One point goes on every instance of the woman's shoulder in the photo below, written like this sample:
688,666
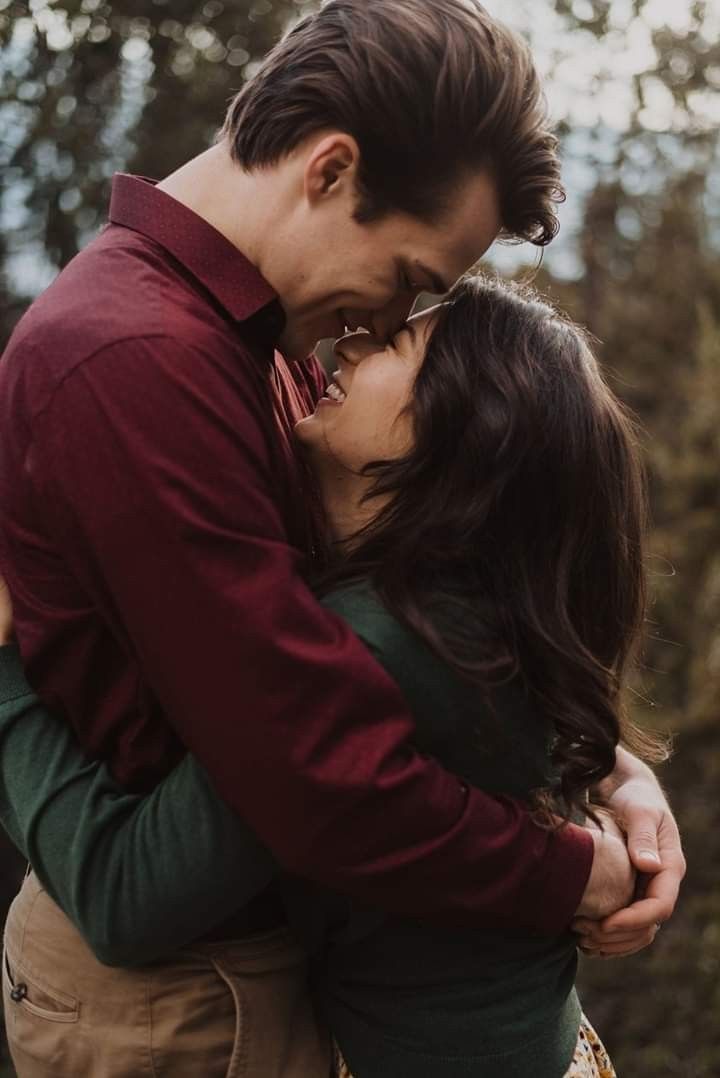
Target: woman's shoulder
495,738
359,604
428,683
357,597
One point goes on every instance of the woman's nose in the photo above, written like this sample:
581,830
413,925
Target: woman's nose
354,347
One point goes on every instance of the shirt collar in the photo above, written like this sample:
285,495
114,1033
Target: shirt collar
226,273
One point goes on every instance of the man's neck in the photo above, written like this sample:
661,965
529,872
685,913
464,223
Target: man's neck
217,189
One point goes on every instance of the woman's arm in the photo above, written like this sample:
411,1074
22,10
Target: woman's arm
139,876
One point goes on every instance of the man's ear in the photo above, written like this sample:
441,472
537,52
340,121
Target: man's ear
332,167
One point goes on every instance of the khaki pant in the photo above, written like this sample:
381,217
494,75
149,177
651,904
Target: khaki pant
236,1009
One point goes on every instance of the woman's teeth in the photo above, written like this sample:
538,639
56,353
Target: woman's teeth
334,392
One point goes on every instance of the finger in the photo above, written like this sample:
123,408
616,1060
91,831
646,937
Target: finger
642,842
602,935
607,956
583,926
599,943
657,905
601,938
663,890
618,950
641,915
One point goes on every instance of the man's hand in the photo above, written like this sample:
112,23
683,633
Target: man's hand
612,880
635,798
6,615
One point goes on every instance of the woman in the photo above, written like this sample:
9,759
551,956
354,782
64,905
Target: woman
485,512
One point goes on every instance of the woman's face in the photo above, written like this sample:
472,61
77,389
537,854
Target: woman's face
364,415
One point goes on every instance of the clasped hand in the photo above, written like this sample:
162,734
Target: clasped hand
637,870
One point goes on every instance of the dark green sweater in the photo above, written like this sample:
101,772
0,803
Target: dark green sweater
143,876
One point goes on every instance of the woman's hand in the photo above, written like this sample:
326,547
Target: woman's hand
638,803
6,615
599,938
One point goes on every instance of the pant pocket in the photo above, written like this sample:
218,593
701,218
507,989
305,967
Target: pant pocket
41,1021
22,990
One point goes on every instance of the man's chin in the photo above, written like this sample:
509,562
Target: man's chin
295,349
300,343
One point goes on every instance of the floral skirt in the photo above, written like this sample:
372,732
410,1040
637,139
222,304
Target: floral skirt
591,1060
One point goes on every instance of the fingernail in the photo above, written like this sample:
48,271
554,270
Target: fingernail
650,855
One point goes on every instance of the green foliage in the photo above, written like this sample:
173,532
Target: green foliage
88,88
650,292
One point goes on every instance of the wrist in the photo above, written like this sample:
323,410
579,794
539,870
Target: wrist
628,770
612,879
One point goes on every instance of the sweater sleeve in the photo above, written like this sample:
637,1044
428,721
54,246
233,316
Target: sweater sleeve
139,876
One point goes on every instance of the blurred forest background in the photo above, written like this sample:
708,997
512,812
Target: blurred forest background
89,87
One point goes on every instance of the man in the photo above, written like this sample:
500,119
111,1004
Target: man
153,524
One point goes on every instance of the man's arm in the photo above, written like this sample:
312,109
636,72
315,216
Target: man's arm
138,876
301,732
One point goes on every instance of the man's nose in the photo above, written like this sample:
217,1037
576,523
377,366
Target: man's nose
388,321
384,323
357,320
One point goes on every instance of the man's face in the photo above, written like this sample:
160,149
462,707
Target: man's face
347,275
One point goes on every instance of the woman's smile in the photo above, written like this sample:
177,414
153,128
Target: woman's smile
379,375
335,391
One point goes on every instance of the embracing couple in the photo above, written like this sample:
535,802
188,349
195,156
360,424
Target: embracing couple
327,772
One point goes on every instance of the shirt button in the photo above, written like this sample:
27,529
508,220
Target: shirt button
19,992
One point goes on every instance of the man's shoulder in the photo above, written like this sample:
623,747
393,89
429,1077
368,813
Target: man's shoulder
119,293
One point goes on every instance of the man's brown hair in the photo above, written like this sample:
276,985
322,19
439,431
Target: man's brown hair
429,89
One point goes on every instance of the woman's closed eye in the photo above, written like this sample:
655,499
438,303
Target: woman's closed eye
406,327
398,333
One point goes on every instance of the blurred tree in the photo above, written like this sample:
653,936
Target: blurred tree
88,88
650,291
655,304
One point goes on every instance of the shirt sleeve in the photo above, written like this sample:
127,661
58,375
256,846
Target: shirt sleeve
138,876
156,471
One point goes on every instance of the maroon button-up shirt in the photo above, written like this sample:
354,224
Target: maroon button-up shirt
153,518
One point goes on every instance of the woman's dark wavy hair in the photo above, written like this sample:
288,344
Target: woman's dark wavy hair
512,533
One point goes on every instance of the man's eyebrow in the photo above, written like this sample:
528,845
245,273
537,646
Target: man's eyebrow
439,287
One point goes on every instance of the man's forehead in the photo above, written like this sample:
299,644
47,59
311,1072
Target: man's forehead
475,218
459,241
451,260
